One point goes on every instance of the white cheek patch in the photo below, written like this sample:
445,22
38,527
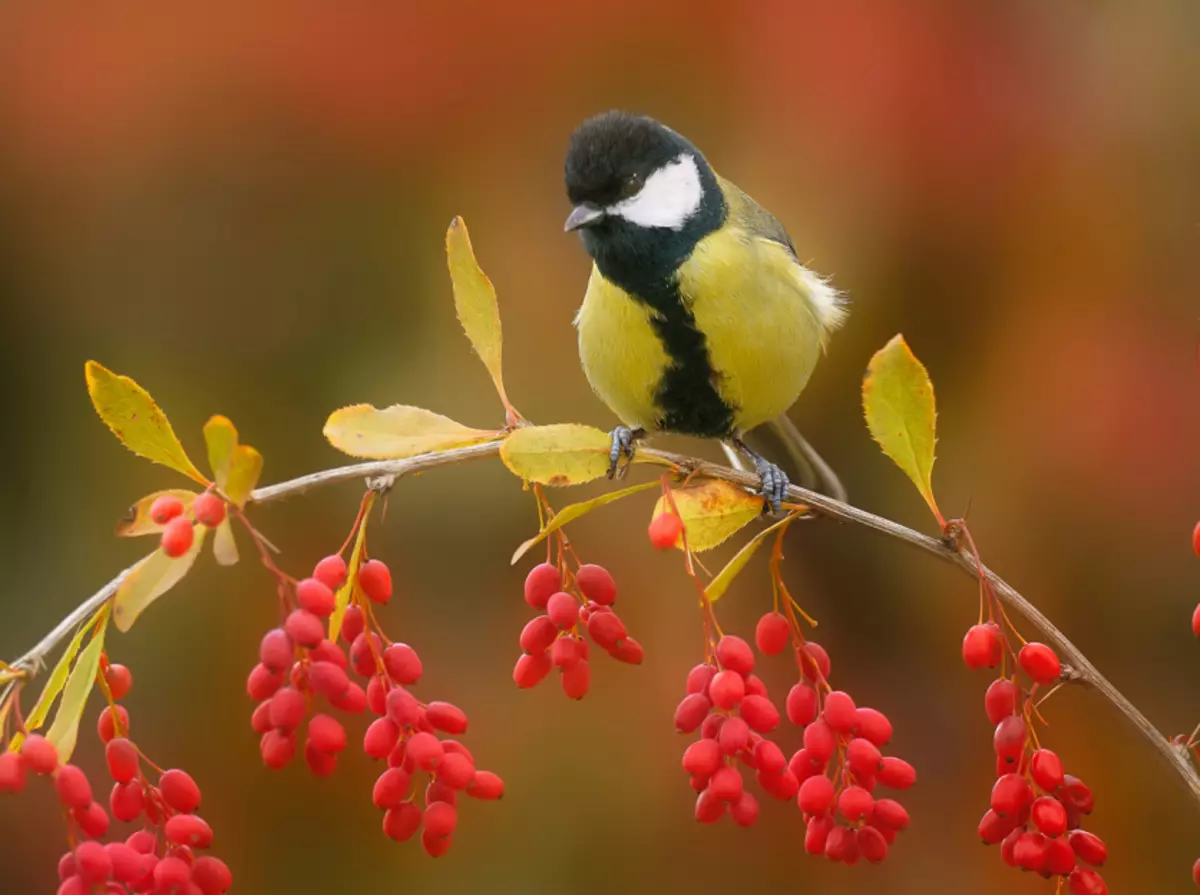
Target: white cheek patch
670,197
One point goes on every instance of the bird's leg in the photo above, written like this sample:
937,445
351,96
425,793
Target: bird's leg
623,445
774,482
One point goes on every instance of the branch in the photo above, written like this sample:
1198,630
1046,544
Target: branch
1077,668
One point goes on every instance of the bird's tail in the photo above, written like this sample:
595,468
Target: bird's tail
781,442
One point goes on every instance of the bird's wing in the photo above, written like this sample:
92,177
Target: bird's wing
753,218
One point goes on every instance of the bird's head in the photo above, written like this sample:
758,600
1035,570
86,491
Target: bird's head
632,179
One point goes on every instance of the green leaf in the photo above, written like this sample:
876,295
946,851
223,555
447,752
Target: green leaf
150,579
397,432
57,679
712,512
129,411
899,406
717,587
560,454
65,729
574,511
342,597
235,466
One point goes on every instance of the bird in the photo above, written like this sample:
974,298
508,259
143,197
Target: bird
699,318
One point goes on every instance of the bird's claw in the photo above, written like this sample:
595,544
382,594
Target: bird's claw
774,485
623,439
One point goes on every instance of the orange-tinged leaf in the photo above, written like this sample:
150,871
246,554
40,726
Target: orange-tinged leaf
245,467
137,521
236,467
398,431
342,597
899,406
712,511
150,579
476,305
129,411
65,730
559,454
574,511
717,587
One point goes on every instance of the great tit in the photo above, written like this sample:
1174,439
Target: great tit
698,318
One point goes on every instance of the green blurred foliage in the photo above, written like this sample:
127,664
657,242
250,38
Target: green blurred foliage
243,208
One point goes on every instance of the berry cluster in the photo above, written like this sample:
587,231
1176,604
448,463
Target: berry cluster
179,531
298,664
833,777
161,857
1036,810
1196,631
555,638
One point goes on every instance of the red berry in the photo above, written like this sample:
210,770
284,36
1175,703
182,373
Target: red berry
863,757
542,581
734,736
401,822
539,633
840,846
209,509
1001,700
440,819
734,654
596,584
277,748
331,571
576,680
402,664
606,629
690,712
873,725
391,788
1046,770
896,773
1029,852
304,628
171,872
816,834
994,827
772,633
1077,795
165,508
726,784
177,537
1089,847
801,704
760,713
628,651
92,862
456,770
562,610
1196,620
108,726
126,863
446,717
12,772
486,785
982,646
871,844
326,734
276,650
840,713
403,708
72,786
744,810
287,709
363,650
375,579
813,661
1009,740
531,669
890,814
1060,860
353,624
211,875
122,758
709,809
119,680
143,842
320,763
1196,548
1049,816
353,701
425,750
126,800
93,820
769,758
665,529
782,786
700,677
328,679
856,804
188,829
816,795
381,738
727,689
180,791
1040,663
39,754
1010,794
315,596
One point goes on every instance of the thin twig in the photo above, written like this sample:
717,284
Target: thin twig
1082,670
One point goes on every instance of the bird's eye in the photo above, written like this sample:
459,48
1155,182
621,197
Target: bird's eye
631,186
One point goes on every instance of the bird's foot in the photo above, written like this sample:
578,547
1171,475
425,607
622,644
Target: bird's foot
623,445
774,484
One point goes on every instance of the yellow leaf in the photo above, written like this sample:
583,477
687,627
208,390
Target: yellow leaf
150,579
396,432
476,305
717,587
342,597
901,414
574,511
137,521
57,679
235,466
224,547
560,454
65,729
136,420
712,511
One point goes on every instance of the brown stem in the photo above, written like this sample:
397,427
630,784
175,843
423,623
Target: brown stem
1078,668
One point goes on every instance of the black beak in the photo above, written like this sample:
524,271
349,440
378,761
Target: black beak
583,215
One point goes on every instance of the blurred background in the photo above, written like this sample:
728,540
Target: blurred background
243,207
